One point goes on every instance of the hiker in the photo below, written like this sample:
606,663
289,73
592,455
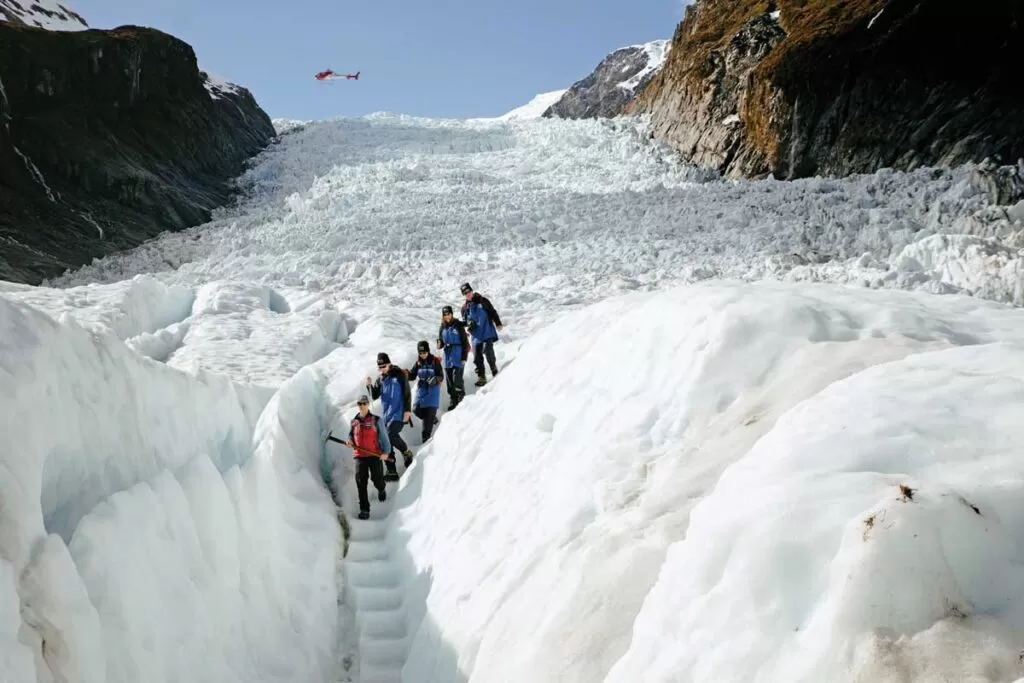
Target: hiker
428,375
369,442
483,324
392,388
452,337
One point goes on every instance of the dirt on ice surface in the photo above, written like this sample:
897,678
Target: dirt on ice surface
682,473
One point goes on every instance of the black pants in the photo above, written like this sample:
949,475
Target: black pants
456,385
395,435
426,416
479,350
367,468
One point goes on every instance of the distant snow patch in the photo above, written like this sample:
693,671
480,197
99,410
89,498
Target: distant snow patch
657,51
218,87
282,126
535,108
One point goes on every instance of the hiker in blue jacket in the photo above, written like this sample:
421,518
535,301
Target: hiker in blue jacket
483,324
392,388
428,375
452,337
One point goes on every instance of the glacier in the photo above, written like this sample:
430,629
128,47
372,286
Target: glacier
736,435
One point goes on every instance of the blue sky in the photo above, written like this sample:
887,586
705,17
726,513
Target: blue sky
447,58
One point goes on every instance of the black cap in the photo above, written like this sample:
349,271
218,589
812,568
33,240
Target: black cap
446,309
382,359
422,347
465,288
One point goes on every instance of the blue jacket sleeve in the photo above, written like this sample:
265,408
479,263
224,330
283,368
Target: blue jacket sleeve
382,437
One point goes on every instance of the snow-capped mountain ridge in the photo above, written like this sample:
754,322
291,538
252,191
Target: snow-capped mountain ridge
53,15
617,81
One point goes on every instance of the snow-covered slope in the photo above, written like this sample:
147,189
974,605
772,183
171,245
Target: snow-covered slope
535,108
218,86
667,480
54,15
705,485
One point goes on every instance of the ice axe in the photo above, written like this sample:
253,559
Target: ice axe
382,456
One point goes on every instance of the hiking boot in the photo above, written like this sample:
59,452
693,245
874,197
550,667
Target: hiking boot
382,495
452,404
364,514
480,380
408,458
391,476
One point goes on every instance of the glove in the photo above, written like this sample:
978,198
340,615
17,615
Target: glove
471,326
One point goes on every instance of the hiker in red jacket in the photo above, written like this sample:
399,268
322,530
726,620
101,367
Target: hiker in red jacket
368,439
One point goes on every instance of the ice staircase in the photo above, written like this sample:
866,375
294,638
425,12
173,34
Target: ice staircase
375,592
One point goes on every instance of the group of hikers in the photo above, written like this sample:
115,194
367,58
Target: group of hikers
374,439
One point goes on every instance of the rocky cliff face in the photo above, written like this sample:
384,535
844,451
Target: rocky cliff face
108,138
816,87
613,84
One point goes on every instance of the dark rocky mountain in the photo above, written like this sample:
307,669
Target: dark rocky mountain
613,84
108,138
816,87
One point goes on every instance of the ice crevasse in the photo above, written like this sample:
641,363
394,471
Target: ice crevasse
157,525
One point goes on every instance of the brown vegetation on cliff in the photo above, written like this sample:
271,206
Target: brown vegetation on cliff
798,87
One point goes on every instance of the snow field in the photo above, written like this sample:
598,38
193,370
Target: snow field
884,523
639,496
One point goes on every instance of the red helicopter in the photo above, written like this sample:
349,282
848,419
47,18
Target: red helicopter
329,75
